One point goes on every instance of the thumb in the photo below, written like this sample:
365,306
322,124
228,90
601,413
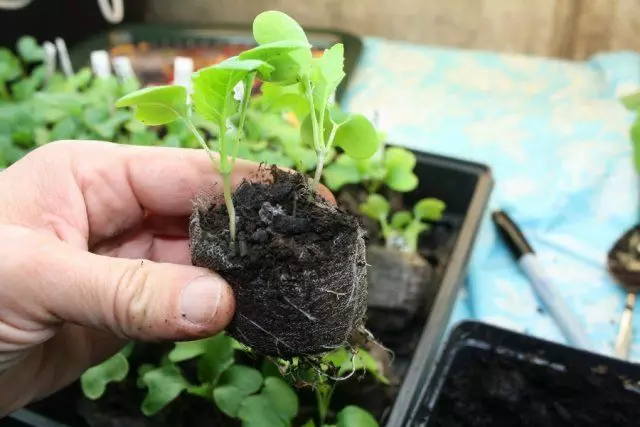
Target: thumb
136,299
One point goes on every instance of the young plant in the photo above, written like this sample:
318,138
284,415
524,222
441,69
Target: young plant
306,85
393,167
404,228
221,95
256,397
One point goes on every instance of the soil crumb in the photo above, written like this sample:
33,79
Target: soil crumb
299,271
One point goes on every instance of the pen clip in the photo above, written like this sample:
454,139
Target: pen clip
512,235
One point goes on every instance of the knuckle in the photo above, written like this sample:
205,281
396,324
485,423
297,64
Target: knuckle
132,297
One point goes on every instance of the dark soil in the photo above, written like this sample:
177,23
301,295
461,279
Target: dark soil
623,260
299,274
489,390
397,288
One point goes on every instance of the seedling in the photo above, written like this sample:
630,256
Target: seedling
393,168
254,396
306,85
283,58
405,227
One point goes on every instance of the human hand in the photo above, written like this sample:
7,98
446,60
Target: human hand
94,252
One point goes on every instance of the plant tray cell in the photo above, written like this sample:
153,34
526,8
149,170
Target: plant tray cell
489,376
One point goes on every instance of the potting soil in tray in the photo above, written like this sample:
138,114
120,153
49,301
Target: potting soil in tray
486,389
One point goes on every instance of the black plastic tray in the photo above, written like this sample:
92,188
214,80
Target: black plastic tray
465,187
571,370
194,35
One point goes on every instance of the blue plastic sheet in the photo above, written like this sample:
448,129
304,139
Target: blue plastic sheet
556,137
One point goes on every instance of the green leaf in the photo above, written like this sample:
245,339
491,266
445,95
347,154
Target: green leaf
270,369
267,51
108,129
338,115
399,220
217,358
237,383
94,115
94,380
157,105
429,209
187,350
41,136
10,67
22,129
401,180
327,74
285,98
56,106
276,405
172,141
274,26
286,70
281,396
631,102
213,87
144,138
130,84
256,411
229,398
80,80
245,66
357,137
310,423
376,207
246,379
399,158
340,173
164,385
353,416
67,128
25,88
635,141
29,49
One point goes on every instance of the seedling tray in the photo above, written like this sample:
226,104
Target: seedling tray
152,47
465,188
488,376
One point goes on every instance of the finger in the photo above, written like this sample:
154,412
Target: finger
50,281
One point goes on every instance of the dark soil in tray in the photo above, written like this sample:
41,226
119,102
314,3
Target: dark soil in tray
487,390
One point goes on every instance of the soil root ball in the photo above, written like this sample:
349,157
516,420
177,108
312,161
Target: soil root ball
299,276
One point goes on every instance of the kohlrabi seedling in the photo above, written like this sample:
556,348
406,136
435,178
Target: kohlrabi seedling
221,95
392,167
307,85
404,228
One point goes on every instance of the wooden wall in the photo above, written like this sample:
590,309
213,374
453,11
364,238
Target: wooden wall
558,28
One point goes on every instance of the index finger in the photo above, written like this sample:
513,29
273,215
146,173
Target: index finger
166,180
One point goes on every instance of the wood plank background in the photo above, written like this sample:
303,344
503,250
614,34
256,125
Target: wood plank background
572,29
